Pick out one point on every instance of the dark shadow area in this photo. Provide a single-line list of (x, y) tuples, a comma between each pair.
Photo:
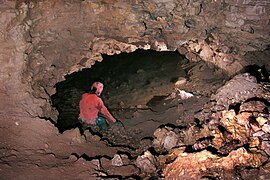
[(129, 79), (235, 107), (259, 72)]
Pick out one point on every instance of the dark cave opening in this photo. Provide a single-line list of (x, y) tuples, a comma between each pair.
[(130, 80)]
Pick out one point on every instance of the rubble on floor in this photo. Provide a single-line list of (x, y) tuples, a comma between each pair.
[(238, 136), (229, 139)]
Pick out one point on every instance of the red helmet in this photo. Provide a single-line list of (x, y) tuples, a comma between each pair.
[(98, 86)]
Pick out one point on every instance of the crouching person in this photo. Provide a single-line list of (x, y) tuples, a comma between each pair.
[(93, 112)]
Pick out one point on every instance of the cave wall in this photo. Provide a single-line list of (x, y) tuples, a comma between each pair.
[(44, 41), (15, 95)]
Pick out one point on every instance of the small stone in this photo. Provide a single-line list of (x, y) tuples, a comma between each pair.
[(184, 94), (139, 106), (73, 158), (184, 154), (266, 128), (261, 120), (146, 162), (259, 133), (117, 161), (125, 159), (180, 81), (225, 49), (255, 128), (230, 114), (102, 174), (266, 147), (160, 132), (170, 140), (206, 52), (254, 142), (96, 137)]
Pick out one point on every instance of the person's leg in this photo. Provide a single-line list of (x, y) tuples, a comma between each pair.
[(91, 127), (86, 126), (82, 125)]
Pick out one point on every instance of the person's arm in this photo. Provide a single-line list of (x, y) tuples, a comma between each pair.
[(105, 111)]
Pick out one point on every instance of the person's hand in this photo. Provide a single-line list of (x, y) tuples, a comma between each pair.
[(117, 123)]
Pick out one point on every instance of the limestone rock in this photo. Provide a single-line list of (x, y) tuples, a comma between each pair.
[(113, 168), (146, 162), (239, 89), (170, 140), (165, 139), (196, 165), (117, 161), (180, 81)]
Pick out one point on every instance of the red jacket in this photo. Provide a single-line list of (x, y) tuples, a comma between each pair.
[(90, 105)]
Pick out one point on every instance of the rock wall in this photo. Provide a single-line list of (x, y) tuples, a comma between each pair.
[(16, 97)]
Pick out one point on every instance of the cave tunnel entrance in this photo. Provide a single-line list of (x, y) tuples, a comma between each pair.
[(131, 82)]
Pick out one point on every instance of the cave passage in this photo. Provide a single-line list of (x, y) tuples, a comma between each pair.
[(130, 80)]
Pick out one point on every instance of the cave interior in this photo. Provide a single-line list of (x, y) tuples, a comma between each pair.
[(188, 82)]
